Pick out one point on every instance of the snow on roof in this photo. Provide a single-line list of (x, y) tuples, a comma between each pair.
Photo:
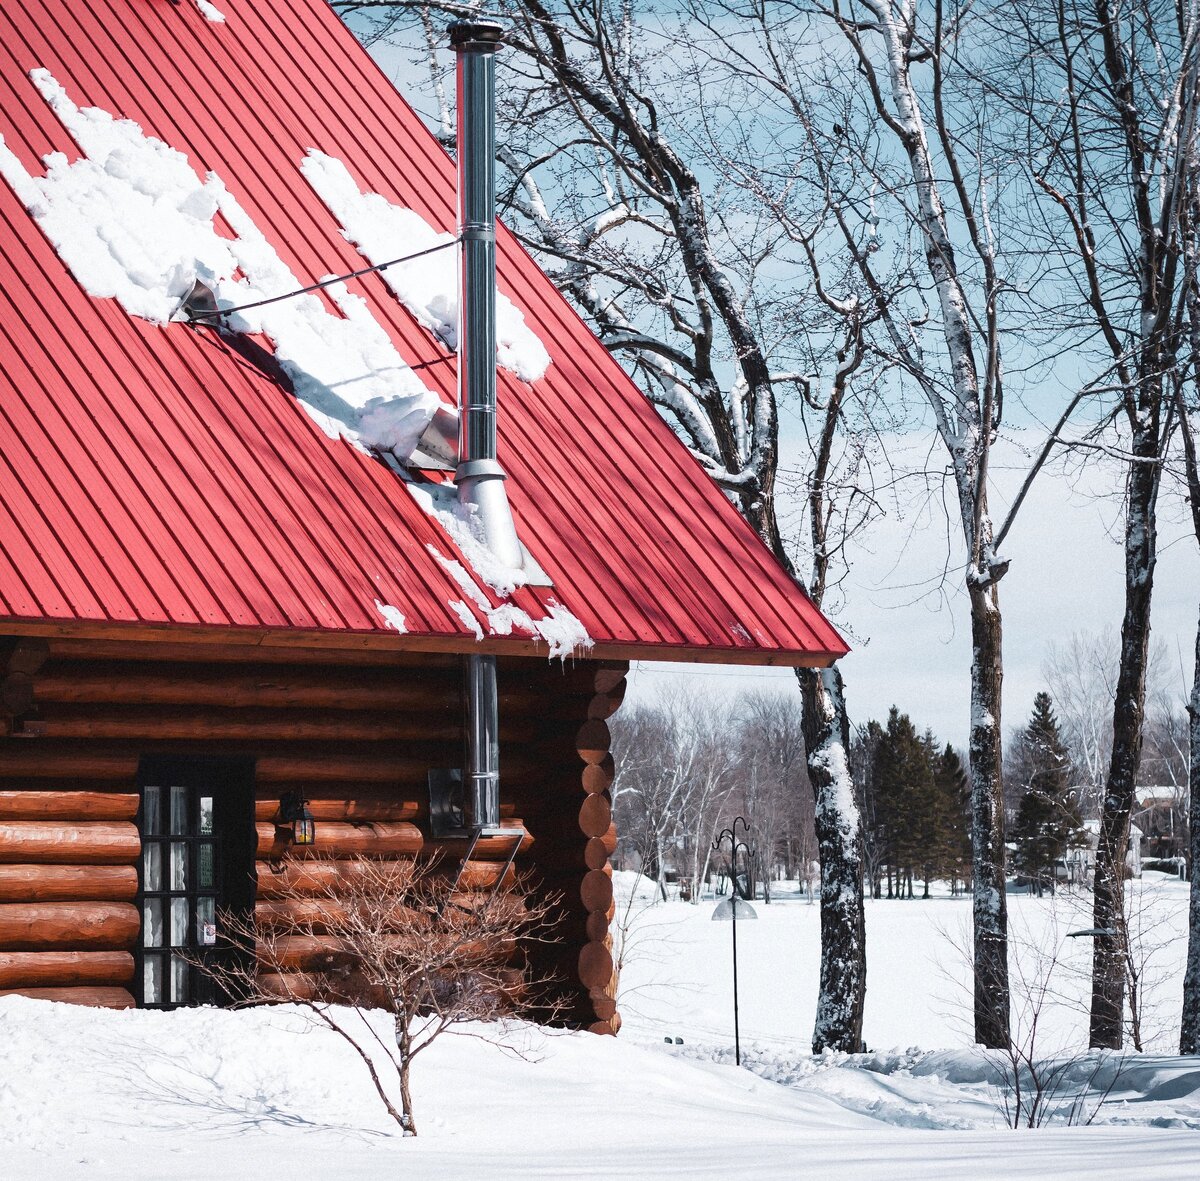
[(153, 473)]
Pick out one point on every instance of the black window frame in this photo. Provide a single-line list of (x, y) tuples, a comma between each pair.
[(229, 781)]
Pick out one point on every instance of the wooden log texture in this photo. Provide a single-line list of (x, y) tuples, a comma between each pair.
[(595, 965), (604, 705), (598, 777), (608, 676), (223, 650), (20, 969), (68, 883), (595, 816), (336, 839), (388, 763), (592, 741), (248, 724), (97, 998), (30, 926), (89, 843), (355, 807), (434, 693), (68, 805)]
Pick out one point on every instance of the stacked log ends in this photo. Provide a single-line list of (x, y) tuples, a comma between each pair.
[(597, 972)]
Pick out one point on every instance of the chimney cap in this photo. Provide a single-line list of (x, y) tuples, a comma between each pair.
[(479, 35)]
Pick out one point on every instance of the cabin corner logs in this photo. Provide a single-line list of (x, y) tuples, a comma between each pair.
[(356, 734)]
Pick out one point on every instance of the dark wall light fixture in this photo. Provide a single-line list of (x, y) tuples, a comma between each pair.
[(294, 813)]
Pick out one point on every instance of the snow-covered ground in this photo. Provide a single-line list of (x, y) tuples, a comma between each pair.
[(207, 1093)]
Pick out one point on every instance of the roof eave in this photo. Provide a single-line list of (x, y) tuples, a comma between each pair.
[(282, 640)]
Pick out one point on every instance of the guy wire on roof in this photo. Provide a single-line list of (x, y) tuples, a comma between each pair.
[(203, 317)]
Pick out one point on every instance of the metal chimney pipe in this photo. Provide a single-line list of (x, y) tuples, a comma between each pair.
[(479, 476)]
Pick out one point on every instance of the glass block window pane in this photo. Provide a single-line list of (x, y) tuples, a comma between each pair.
[(179, 922), (206, 921), (152, 980), (151, 810), (205, 875), (179, 810), (179, 981), (152, 866), (152, 923)]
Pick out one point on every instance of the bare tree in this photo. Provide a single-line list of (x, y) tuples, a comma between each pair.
[(342, 939), (605, 162), (1108, 95), (675, 763), (899, 145)]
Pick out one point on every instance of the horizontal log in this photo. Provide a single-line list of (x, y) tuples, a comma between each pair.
[(97, 998), (595, 965), (359, 807), (354, 802), (262, 686), (604, 705), (605, 1007), (599, 777), (248, 725), (338, 987), (88, 843), (321, 915), (19, 969), (595, 816), (335, 839), (221, 649), (599, 849), (68, 805), (292, 952), (430, 691), (596, 890), (592, 741), (68, 883), (30, 926), (289, 878), (374, 762), (191, 723), (597, 929), (608, 676)]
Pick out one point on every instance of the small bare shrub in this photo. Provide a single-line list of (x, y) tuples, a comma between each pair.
[(340, 939)]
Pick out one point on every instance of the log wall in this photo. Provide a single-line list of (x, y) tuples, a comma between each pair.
[(357, 733)]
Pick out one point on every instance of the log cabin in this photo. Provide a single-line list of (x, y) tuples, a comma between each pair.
[(268, 555)]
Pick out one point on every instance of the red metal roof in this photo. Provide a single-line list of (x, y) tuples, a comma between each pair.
[(148, 476)]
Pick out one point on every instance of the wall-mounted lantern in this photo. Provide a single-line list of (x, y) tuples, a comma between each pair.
[(294, 813)]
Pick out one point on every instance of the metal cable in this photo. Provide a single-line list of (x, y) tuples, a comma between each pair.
[(205, 317)]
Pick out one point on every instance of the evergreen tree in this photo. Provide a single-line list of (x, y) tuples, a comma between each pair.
[(953, 825), (1048, 821), (905, 804)]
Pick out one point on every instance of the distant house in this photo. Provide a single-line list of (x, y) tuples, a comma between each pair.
[(239, 588), (1078, 866), (1161, 813)]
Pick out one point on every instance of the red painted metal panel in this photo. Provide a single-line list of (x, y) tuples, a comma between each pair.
[(150, 475)]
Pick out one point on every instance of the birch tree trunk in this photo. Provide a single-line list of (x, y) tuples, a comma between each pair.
[(1108, 953), (838, 824), (1189, 1032), (990, 908)]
